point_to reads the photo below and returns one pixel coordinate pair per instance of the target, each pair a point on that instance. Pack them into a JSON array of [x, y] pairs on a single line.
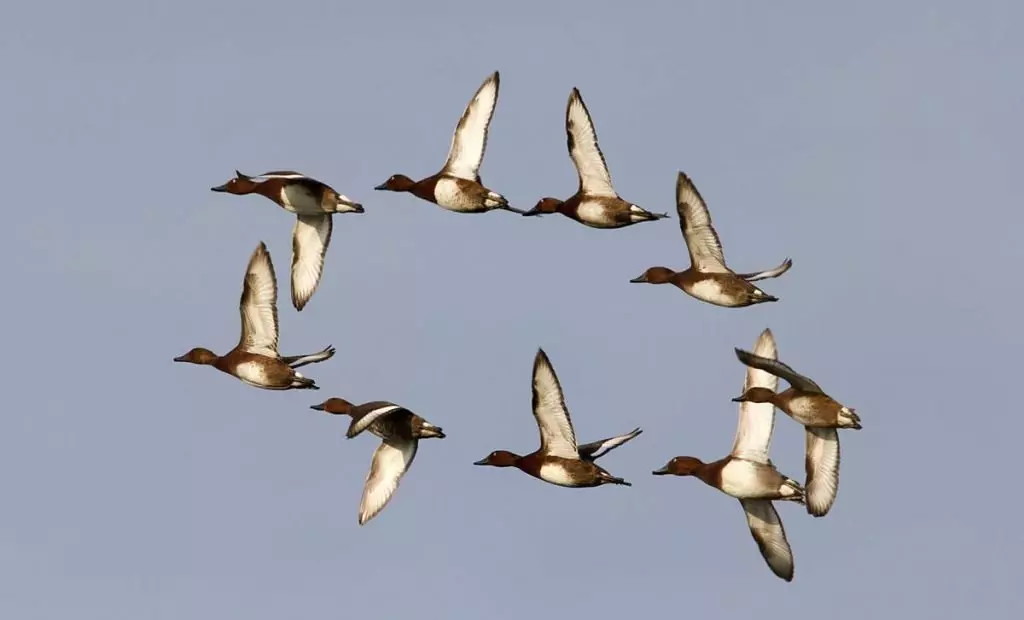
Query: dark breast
[[425, 188], [531, 464]]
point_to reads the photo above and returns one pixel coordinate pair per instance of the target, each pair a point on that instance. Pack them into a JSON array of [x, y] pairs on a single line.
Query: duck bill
[[319, 407], [382, 186], [661, 472], [482, 462], [220, 188], [180, 358], [533, 211], [639, 280]]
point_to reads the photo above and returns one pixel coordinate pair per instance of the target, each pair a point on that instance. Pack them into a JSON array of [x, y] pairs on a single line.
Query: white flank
[[556, 474]]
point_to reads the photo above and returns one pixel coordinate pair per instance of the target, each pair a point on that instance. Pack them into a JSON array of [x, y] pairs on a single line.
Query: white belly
[[298, 199], [740, 479], [448, 195], [556, 474], [707, 289], [592, 212], [252, 373]]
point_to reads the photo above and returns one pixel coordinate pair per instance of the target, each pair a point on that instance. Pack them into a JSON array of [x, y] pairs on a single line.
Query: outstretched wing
[[390, 462], [780, 370], [757, 420], [586, 155], [258, 305], [557, 437], [767, 530], [470, 138], [310, 238], [596, 449], [695, 221], [822, 465]]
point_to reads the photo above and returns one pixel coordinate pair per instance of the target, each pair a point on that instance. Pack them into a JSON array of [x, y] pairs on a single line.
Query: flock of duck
[[746, 473]]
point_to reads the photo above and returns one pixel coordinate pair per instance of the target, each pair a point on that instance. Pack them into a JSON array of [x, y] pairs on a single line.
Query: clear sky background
[[877, 144]]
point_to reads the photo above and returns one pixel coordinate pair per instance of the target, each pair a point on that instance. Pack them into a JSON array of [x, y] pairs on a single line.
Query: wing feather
[[390, 462], [557, 436], [310, 238], [822, 465], [757, 420], [695, 221], [770, 535], [469, 141], [258, 305], [595, 180]]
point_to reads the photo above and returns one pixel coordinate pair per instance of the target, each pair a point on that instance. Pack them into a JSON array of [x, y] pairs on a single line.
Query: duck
[[821, 416], [708, 278], [255, 360], [748, 473], [399, 430], [596, 203], [457, 186], [559, 460], [314, 204]]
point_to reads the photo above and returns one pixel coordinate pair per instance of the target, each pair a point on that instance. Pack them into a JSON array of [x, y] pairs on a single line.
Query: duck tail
[[797, 493], [607, 478], [303, 383], [849, 418]]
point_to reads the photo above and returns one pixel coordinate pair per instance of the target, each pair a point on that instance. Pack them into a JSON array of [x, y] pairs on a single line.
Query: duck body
[[255, 359], [559, 460], [400, 431], [820, 414], [748, 474], [314, 204], [457, 187], [708, 278], [596, 203]]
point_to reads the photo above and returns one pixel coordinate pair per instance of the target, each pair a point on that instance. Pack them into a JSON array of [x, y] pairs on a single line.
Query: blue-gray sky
[[877, 144]]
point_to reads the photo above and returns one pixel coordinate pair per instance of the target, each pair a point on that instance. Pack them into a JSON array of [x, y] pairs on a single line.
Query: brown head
[[756, 395], [198, 355], [499, 458], [680, 466], [241, 184], [337, 406], [545, 205], [397, 183], [655, 275]]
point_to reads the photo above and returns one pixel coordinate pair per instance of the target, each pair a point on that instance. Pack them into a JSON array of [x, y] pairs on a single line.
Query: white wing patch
[[258, 305], [766, 527], [310, 238], [390, 462], [556, 433], [757, 420], [695, 220], [364, 422], [279, 175], [469, 141], [822, 465], [595, 180]]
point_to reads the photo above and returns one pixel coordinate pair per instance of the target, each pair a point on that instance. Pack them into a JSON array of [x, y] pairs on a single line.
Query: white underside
[[708, 290], [448, 195], [592, 211], [739, 479], [556, 474], [251, 372]]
